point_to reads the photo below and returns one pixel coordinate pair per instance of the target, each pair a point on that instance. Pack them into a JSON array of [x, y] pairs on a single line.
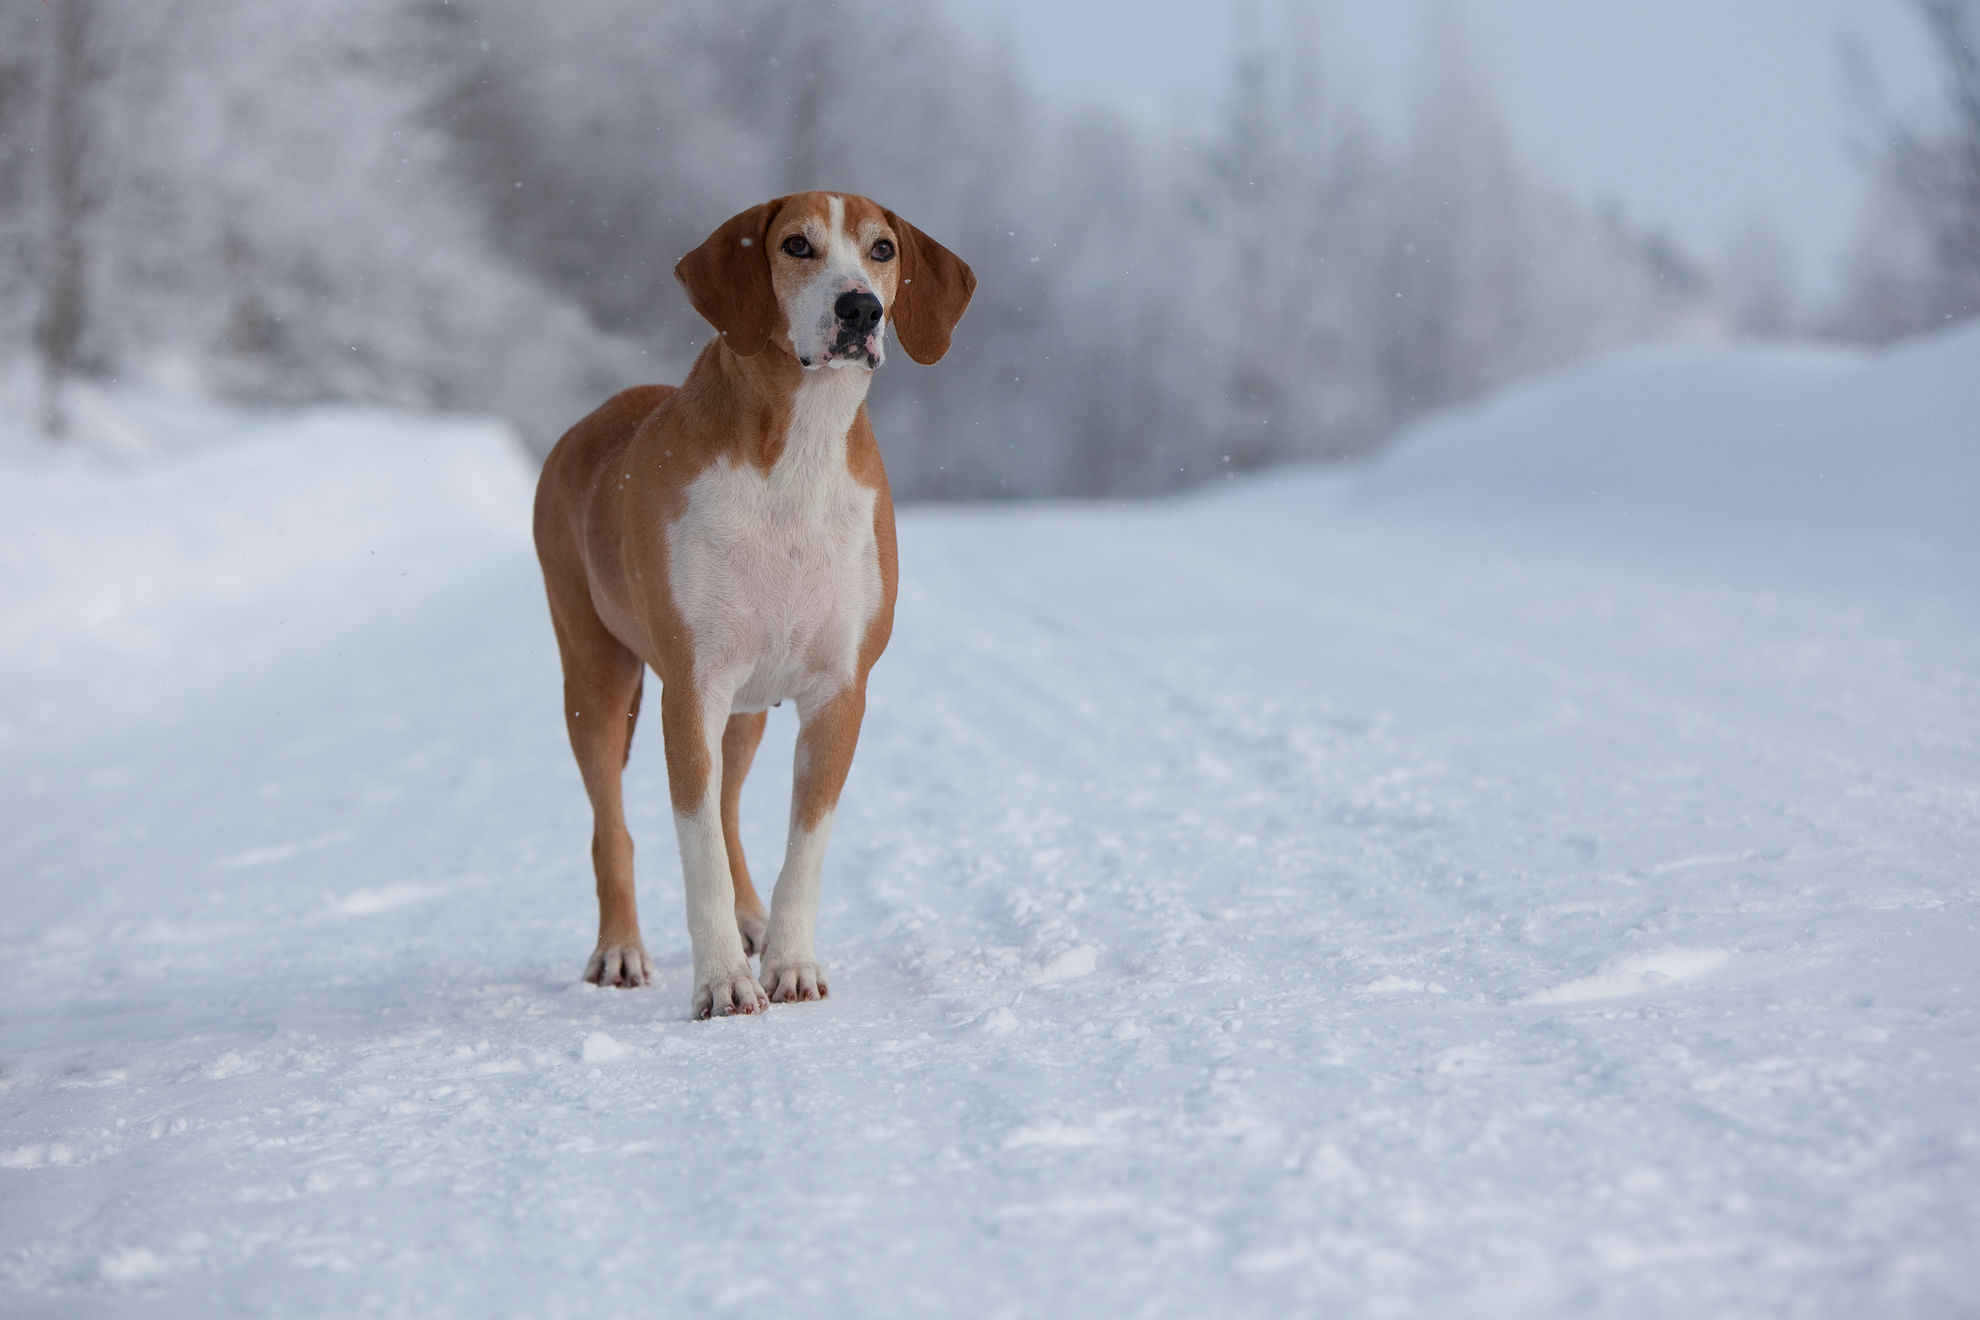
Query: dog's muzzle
[[857, 339]]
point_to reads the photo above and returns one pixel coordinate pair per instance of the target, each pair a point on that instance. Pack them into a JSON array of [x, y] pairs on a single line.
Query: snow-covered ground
[[1538, 876]]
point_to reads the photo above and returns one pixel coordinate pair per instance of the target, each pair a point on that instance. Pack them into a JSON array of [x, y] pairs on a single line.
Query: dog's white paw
[[752, 924], [623, 964], [726, 993], [794, 979]]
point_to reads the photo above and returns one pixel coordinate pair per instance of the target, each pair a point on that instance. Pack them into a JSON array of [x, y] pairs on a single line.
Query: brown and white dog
[[737, 536]]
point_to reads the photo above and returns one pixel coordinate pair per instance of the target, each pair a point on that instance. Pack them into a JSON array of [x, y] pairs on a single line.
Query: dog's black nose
[[860, 311]]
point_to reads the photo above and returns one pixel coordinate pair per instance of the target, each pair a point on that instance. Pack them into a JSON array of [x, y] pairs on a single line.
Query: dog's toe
[[752, 925], [792, 982], [623, 965], [726, 995]]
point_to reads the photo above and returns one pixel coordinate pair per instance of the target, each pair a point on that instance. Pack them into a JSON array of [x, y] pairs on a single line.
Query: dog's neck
[[765, 401]]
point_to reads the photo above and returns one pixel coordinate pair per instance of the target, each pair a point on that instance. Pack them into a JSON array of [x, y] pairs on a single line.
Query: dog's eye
[[883, 250], [797, 246]]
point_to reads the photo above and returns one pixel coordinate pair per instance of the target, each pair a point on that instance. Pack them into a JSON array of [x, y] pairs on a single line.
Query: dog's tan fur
[[623, 483]]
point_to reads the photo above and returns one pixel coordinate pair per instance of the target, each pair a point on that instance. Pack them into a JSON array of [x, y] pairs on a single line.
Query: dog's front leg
[[693, 717], [826, 739]]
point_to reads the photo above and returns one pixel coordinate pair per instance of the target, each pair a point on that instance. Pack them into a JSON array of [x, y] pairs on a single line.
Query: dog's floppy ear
[[727, 279], [934, 291]]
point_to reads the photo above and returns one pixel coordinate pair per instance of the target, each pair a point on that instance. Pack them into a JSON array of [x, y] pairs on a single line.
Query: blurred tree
[[1756, 279], [75, 68], [20, 48], [1940, 171], [1252, 200], [1916, 260], [1456, 255], [1295, 196]]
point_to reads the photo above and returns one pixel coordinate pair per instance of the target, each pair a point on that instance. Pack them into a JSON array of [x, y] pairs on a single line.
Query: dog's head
[[821, 275]]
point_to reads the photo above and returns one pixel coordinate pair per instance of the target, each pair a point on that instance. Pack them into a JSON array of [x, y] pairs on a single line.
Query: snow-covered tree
[[478, 204]]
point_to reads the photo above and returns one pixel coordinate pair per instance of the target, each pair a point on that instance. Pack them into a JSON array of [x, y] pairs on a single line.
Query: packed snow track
[[1536, 876]]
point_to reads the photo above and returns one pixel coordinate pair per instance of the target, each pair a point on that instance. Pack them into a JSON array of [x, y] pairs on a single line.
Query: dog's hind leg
[[739, 742], [602, 684]]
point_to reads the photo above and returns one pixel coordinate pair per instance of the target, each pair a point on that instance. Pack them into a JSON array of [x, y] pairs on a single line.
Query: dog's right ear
[[727, 279]]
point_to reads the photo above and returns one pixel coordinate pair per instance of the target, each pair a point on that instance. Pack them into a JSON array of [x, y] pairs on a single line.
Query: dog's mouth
[[865, 350], [852, 348]]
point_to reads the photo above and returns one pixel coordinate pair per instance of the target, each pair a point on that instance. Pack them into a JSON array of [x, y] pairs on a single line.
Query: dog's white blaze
[[842, 269], [840, 251], [778, 575]]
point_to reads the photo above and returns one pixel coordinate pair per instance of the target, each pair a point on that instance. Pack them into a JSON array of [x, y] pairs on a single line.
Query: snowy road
[[1430, 892]]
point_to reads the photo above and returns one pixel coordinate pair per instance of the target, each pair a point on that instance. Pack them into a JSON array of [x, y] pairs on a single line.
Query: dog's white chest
[[778, 574]]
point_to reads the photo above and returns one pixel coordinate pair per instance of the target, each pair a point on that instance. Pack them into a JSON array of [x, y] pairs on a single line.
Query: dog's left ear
[[727, 279], [934, 292]]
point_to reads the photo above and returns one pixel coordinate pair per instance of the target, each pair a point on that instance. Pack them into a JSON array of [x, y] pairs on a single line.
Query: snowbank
[[187, 539], [1787, 442]]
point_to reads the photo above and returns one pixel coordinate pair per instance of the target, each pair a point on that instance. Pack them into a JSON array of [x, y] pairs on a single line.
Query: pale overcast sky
[[1695, 114]]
